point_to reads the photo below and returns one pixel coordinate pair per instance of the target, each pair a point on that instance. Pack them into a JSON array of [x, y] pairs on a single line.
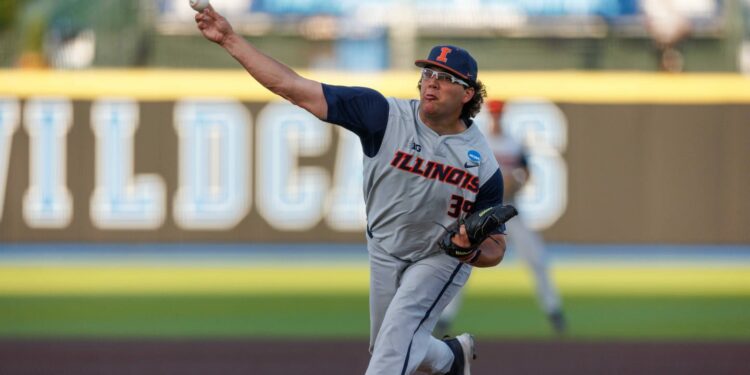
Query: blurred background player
[[512, 157]]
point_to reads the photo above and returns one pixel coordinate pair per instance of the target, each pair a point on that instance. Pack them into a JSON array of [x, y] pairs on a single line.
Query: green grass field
[[346, 316], [131, 300]]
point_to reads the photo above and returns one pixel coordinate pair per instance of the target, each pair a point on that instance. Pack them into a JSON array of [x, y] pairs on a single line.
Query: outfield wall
[[211, 156]]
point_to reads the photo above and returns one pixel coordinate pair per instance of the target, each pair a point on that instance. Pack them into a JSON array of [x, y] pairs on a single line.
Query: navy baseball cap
[[453, 59]]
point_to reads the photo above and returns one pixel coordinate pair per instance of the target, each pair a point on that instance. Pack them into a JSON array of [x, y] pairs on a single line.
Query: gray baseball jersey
[[420, 181], [415, 180]]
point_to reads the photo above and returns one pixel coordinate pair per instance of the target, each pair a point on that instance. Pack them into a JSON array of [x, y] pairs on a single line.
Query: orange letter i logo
[[444, 54]]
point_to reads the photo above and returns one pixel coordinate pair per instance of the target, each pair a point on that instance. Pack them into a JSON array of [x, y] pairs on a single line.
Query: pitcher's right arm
[[273, 75]]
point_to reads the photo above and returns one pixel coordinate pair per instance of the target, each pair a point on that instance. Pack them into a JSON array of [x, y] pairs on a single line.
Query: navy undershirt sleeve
[[491, 194], [361, 110]]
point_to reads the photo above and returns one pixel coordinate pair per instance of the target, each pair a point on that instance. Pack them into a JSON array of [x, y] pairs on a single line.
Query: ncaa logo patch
[[475, 156]]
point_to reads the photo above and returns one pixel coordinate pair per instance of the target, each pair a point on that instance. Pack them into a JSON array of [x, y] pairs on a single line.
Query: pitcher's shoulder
[[402, 107]]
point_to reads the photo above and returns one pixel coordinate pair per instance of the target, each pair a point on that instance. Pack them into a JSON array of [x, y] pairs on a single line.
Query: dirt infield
[[350, 357]]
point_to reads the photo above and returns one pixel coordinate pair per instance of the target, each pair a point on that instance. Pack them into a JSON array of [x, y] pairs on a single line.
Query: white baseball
[[199, 5]]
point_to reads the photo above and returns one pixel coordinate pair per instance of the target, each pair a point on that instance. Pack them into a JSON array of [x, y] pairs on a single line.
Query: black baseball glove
[[479, 226]]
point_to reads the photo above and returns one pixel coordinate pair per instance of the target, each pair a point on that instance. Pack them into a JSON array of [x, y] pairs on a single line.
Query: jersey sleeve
[[491, 194], [361, 110]]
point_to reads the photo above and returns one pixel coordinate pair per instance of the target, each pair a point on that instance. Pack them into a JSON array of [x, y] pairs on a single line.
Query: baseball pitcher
[[432, 188]]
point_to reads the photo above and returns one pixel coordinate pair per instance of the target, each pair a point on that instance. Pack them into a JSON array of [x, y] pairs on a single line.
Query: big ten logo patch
[[542, 127], [414, 146]]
